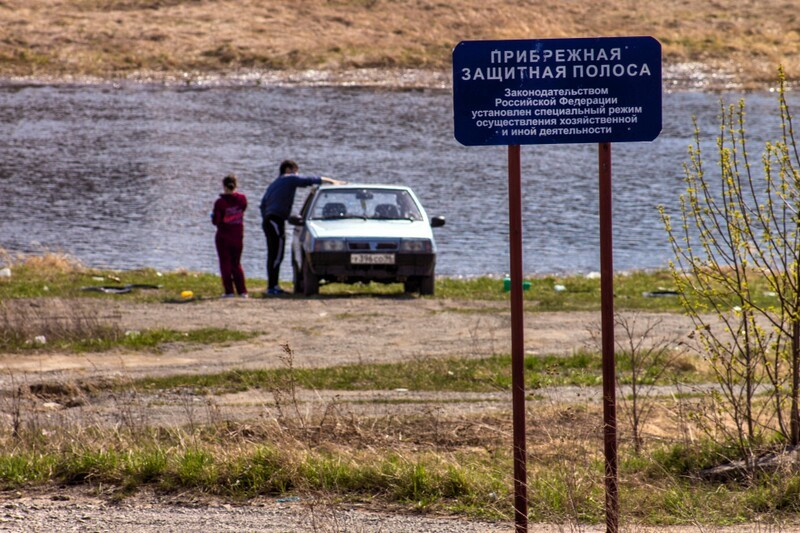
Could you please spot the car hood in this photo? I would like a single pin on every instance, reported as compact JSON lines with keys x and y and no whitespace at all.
{"x":358,"y":228}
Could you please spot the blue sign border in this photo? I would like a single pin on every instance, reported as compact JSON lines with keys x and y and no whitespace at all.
{"x":557,"y":91}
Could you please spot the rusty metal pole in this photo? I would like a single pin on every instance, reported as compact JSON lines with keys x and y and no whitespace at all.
{"x":517,"y":339}
{"x":607,"y":326}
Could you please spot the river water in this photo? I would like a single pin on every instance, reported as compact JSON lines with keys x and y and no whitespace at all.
{"x":124,"y":177}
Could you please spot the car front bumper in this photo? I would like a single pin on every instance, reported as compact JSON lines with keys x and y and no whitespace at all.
{"x":338,"y":266}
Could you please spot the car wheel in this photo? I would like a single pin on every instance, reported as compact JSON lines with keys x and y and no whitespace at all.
{"x":426,"y":285}
{"x":411,"y":285}
{"x":310,"y":281}
{"x":297,"y":277}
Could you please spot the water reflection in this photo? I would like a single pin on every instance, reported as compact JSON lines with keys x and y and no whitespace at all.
{"x":125,"y":177}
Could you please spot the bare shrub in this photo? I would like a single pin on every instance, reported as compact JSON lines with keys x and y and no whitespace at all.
{"x":647,"y":357}
{"x":478,"y":345}
{"x":284,"y":392}
{"x":131,"y":408}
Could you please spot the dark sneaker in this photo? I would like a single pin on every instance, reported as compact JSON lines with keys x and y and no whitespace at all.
{"x":276,"y":291}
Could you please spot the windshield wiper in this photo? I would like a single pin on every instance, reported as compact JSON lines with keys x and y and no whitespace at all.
{"x":342,"y":217}
{"x":409,"y":218}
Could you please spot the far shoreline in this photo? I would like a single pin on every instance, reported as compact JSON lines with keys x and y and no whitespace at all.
{"x":684,"y":77}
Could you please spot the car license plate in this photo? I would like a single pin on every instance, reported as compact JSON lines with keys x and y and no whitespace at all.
{"x":371,"y":259}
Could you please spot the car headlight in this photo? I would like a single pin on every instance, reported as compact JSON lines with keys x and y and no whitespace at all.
{"x":329,"y":245}
{"x":415,"y":245}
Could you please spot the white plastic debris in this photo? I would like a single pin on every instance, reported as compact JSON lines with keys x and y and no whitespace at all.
{"x":40,"y":339}
{"x":559,"y":288}
{"x":5,"y":272}
{"x":593,"y":275}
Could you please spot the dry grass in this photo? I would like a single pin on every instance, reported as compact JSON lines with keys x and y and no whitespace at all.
{"x":745,"y":39}
{"x":50,"y":321}
{"x":44,"y":264}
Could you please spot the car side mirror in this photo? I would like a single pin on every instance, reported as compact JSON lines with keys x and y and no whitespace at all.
{"x":296,"y":220}
{"x":437,"y":222}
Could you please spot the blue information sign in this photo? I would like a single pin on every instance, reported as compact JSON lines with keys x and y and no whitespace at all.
{"x":557,"y":91}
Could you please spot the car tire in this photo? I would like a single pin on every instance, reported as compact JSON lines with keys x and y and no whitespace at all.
{"x":411,"y":285}
{"x":427,"y":285}
{"x":297,"y":277}
{"x":310,"y":281}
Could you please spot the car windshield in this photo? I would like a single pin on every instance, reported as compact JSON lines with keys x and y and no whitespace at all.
{"x":377,"y":204}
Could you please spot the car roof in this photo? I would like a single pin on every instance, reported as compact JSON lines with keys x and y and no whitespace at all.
{"x":364,"y":186}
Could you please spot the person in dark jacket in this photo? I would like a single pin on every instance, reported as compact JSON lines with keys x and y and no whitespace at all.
{"x":276,"y":206}
{"x":228,"y":217}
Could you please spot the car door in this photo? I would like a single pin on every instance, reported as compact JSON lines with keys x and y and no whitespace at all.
{"x":298,"y":234}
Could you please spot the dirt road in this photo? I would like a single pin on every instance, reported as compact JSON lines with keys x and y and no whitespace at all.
{"x":321,"y":332}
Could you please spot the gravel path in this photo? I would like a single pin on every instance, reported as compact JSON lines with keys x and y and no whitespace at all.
{"x":83,"y":513}
{"x":74,"y":512}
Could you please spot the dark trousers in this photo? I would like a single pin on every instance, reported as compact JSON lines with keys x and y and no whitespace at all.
{"x":275,"y":231}
{"x":229,"y":250}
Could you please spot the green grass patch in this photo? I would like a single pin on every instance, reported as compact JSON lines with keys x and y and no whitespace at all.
{"x":471,"y":482}
{"x":51,"y":275}
{"x":639,"y":290}
{"x":550,"y":293}
{"x":105,"y":338}
{"x":154,"y":338}
{"x":34,"y":282}
{"x":18,"y":469}
{"x":633,"y":290}
{"x":425,"y":481}
{"x":682,"y":460}
{"x":450,"y":374}
{"x":465,"y":481}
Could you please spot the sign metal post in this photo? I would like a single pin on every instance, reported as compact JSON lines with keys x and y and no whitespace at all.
{"x":607,"y":339}
{"x":517,"y":338}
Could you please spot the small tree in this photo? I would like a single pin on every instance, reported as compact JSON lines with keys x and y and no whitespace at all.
{"x":736,"y":241}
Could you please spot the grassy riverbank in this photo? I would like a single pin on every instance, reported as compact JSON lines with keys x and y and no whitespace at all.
{"x":56,"y":276}
{"x":712,"y":43}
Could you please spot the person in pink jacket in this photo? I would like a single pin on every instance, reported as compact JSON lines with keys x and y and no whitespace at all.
{"x":228,"y":217}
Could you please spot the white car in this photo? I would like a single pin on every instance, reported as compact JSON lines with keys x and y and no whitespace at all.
{"x":362,"y":233}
